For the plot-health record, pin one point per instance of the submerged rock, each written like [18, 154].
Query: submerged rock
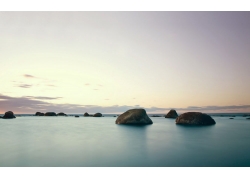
[194, 118]
[76, 116]
[135, 117]
[97, 115]
[172, 114]
[50, 114]
[86, 114]
[61, 114]
[39, 114]
[9, 115]
[247, 118]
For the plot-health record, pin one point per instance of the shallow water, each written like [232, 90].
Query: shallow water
[89, 142]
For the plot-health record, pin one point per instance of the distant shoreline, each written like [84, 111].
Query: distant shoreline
[150, 114]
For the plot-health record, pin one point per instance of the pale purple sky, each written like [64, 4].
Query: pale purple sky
[113, 61]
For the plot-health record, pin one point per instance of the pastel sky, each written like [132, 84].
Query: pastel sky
[110, 62]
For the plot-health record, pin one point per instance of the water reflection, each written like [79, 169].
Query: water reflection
[135, 143]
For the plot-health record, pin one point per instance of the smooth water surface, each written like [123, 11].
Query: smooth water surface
[88, 142]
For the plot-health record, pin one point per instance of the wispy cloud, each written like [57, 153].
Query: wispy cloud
[87, 84]
[24, 85]
[42, 97]
[28, 76]
[51, 85]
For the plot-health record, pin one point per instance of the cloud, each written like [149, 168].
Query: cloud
[24, 85]
[51, 85]
[32, 104]
[87, 84]
[42, 97]
[28, 76]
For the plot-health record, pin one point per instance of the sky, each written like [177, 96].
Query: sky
[109, 62]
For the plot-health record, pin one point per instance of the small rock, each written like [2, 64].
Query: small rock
[172, 114]
[9, 115]
[50, 114]
[97, 115]
[86, 114]
[61, 114]
[39, 114]
[155, 116]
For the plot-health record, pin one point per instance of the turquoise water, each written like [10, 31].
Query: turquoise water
[89, 142]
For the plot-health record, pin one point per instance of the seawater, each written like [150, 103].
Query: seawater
[29, 141]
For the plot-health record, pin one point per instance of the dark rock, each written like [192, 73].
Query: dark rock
[50, 114]
[61, 114]
[1, 117]
[247, 118]
[171, 114]
[9, 115]
[134, 117]
[86, 114]
[194, 118]
[231, 118]
[97, 115]
[155, 116]
[76, 116]
[39, 114]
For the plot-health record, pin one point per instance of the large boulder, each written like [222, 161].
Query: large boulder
[39, 114]
[9, 115]
[194, 118]
[134, 117]
[50, 114]
[61, 114]
[172, 114]
[86, 114]
[97, 115]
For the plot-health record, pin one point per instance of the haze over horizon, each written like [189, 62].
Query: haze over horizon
[109, 62]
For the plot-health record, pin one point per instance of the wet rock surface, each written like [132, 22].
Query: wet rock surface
[134, 117]
[194, 118]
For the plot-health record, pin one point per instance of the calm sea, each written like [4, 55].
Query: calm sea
[89, 142]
